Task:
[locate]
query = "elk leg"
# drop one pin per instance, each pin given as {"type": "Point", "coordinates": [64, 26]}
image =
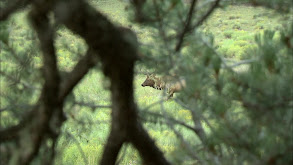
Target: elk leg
{"type": "Point", "coordinates": [170, 95]}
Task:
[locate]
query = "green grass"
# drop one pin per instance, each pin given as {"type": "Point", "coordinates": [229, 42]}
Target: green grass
{"type": "Point", "coordinates": [233, 28]}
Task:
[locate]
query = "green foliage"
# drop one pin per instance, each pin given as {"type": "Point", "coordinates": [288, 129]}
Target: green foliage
{"type": "Point", "coordinates": [240, 107]}
{"type": "Point", "coordinates": [228, 34]}
{"type": "Point", "coordinates": [241, 23]}
{"type": "Point", "coordinates": [262, 90]}
{"type": "Point", "coordinates": [246, 113]}
{"type": "Point", "coordinates": [75, 153]}
{"type": "Point", "coordinates": [19, 87]}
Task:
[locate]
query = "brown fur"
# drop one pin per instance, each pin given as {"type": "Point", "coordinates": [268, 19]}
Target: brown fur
{"type": "Point", "coordinates": [168, 82]}
{"type": "Point", "coordinates": [175, 87]}
{"type": "Point", "coordinates": [149, 81]}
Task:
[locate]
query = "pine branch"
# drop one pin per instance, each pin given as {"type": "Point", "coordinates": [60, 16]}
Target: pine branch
{"type": "Point", "coordinates": [162, 33]}
{"type": "Point", "coordinates": [171, 120]}
{"type": "Point", "coordinates": [186, 145]}
{"type": "Point", "coordinates": [38, 120]}
{"type": "Point", "coordinates": [92, 106]}
{"type": "Point", "coordinates": [242, 63]}
{"type": "Point", "coordinates": [225, 65]}
{"type": "Point", "coordinates": [101, 35]}
{"type": "Point", "coordinates": [196, 117]}
{"type": "Point", "coordinates": [24, 84]}
{"type": "Point", "coordinates": [78, 146]}
{"type": "Point", "coordinates": [208, 13]}
{"type": "Point", "coordinates": [188, 28]}
{"type": "Point", "coordinates": [187, 25]}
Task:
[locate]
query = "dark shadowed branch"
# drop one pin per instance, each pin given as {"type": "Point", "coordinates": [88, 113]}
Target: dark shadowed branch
{"type": "Point", "coordinates": [17, 81]}
{"type": "Point", "coordinates": [175, 121]}
{"type": "Point", "coordinates": [34, 138]}
{"type": "Point", "coordinates": [208, 13]}
{"type": "Point", "coordinates": [79, 71]}
{"type": "Point", "coordinates": [185, 144]}
{"type": "Point", "coordinates": [187, 25]}
{"type": "Point", "coordinates": [90, 105]}
{"type": "Point", "coordinates": [48, 102]}
{"type": "Point", "coordinates": [139, 15]}
{"type": "Point", "coordinates": [196, 117]}
{"type": "Point", "coordinates": [78, 146]}
{"type": "Point", "coordinates": [147, 148]}
{"type": "Point", "coordinates": [100, 35]}
{"type": "Point", "coordinates": [11, 7]}
{"type": "Point", "coordinates": [122, 155]}
{"type": "Point", "coordinates": [10, 133]}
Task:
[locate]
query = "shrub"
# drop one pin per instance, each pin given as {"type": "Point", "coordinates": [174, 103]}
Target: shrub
{"type": "Point", "coordinates": [228, 34]}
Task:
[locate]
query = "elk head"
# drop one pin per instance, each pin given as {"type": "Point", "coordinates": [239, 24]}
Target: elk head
{"type": "Point", "coordinates": [149, 81]}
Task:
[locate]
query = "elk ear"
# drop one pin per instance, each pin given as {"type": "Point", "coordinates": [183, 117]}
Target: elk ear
{"type": "Point", "coordinates": [147, 75]}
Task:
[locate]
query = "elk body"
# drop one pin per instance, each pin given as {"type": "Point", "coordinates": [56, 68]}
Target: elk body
{"type": "Point", "coordinates": [169, 83]}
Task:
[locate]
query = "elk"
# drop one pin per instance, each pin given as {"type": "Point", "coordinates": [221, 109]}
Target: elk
{"type": "Point", "coordinates": [169, 83]}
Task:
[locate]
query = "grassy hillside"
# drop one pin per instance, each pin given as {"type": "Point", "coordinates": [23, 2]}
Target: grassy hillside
{"type": "Point", "coordinates": [233, 27]}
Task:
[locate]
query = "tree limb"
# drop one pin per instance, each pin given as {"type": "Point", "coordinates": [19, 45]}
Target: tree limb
{"type": "Point", "coordinates": [118, 65]}
{"type": "Point", "coordinates": [198, 129]}
{"type": "Point", "coordinates": [112, 148]}
{"type": "Point", "coordinates": [117, 50]}
{"type": "Point", "coordinates": [10, 133]}
{"type": "Point", "coordinates": [78, 146]}
{"type": "Point", "coordinates": [79, 71]}
{"type": "Point", "coordinates": [188, 28]}
{"type": "Point", "coordinates": [187, 25]}
{"type": "Point", "coordinates": [48, 104]}
{"type": "Point", "coordinates": [208, 13]}
{"type": "Point", "coordinates": [24, 84]}
{"type": "Point", "coordinates": [147, 148]}
{"type": "Point", "coordinates": [138, 4]}
{"type": "Point", "coordinates": [93, 106]}
{"type": "Point", "coordinates": [172, 120]}
{"type": "Point", "coordinates": [186, 145]}
{"type": "Point", "coordinates": [11, 7]}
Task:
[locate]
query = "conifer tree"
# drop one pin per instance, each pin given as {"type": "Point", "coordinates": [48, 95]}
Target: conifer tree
{"type": "Point", "coordinates": [238, 116]}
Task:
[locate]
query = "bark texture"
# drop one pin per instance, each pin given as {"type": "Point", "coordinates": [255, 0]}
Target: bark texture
{"type": "Point", "coordinates": [115, 47]}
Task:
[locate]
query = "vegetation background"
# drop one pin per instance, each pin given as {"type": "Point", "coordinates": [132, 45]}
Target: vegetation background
{"type": "Point", "coordinates": [236, 108]}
